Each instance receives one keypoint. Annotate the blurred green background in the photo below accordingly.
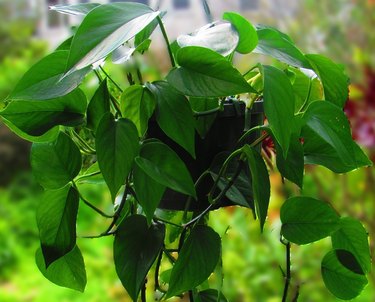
(253, 263)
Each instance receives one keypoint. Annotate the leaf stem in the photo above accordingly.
(83, 143)
(288, 272)
(250, 131)
(78, 178)
(166, 221)
(94, 207)
(109, 77)
(208, 112)
(165, 36)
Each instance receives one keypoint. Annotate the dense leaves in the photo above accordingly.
(56, 218)
(55, 163)
(197, 260)
(305, 219)
(116, 146)
(135, 249)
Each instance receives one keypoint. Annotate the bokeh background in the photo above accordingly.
(340, 29)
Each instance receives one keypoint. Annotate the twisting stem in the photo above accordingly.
(162, 28)
(288, 273)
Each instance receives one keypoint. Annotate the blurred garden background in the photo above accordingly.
(340, 29)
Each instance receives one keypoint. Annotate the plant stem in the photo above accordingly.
(143, 292)
(93, 207)
(207, 11)
(307, 97)
(115, 104)
(250, 131)
(78, 178)
(83, 143)
(98, 75)
(166, 221)
(109, 77)
(288, 273)
(165, 36)
(191, 296)
(208, 112)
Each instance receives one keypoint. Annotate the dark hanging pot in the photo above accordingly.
(229, 125)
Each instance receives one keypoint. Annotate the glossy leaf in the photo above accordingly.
(68, 271)
(278, 102)
(221, 37)
(340, 281)
(291, 167)
(55, 163)
(164, 166)
(116, 147)
(205, 73)
(135, 249)
(137, 105)
(148, 191)
(104, 29)
(56, 218)
(334, 80)
(196, 261)
(98, 106)
(37, 117)
(352, 237)
(278, 45)
(305, 220)
(246, 31)
(174, 115)
(75, 9)
(44, 80)
(260, 183)
(328, 139)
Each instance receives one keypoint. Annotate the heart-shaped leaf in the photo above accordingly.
(205, 73)
(117, 144)
(352, 237)
(37, 117)
(196, 261)
(174, 115)
(220, 36)
(135, 249)
(55, 163)
(137, 105)
(67, 271)
(44, 80)
(246, 31)
(334, 80)
(278, 105)
(305, 219)
(56, 218)
(278, 45)
(328, 140)
(340, 281)
(104, 29)
(260, 182)
(164, 166)
(98, 106)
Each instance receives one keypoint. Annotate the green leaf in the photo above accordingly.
(340, 281)
(145, 33)
(44, 80)
(104, 29)
(164, 166)
(37, 117)
(137, 105)
(174, 115)
(75, 9)
(221, 37)
(353, 237)
(67, 271)
(205, 73)
(196, 261)
(117, 144)
(334, 80)
(248, 35)
(148, 191)
(135, 249)
(260, 182)
(56, 218)
(328, 140)
(305, 220)
(204, 123)
(291, 167)
(55, 163)
(278, 101)
(98, 106)
(211, 295)
(278, 45)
